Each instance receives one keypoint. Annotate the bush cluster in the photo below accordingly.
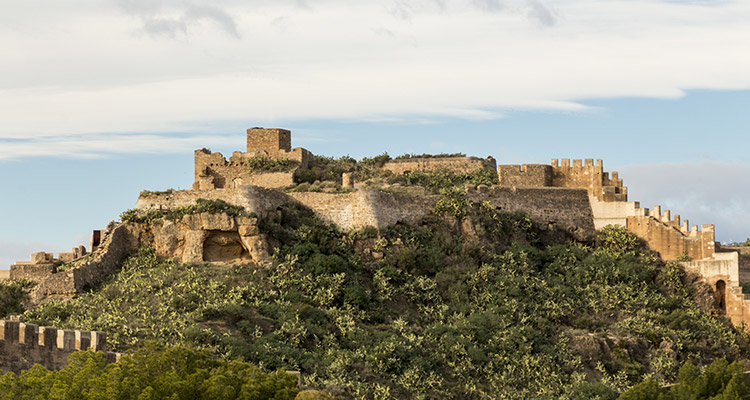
(153, 372)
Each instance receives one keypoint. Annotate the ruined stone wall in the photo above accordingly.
(526, 175)
(214, 171)
(454, 164)
(23, 345)
(116, 243)
(559, 208)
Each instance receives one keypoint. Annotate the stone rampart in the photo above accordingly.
(453, 164)
(560, 208)
(526, 175)
(23, 345)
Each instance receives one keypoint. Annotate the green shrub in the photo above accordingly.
(153, 372)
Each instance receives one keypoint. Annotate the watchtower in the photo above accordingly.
(268, 142)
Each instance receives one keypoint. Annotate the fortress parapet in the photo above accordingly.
(23, 345)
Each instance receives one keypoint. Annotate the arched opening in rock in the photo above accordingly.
(224, 247)
(721, 302)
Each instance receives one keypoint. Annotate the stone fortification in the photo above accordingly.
(558, 208)
(428, 164)
(214, 171)
(23, 345)
(90, 270)
(42, 264)
(584, 174)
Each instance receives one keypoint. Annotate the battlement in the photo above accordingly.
(23, 345)
(671, 236)
(586, 174)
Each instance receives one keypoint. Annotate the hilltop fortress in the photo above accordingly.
(576, 196)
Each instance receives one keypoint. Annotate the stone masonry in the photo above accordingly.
(213, 171)
(23, 345)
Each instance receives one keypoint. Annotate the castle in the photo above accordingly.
(578, 197)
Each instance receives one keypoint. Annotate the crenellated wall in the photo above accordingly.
(454, 164)
(23, 345)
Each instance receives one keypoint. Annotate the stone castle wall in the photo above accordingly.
(454, 164)
(23, 345)
(670, 236)
(561, 208)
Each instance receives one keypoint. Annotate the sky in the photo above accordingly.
(100, 99)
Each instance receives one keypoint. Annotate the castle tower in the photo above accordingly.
(268, 142)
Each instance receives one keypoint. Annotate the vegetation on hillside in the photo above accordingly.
(153, 372)
(504, 309)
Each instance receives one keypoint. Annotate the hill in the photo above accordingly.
(471, 303)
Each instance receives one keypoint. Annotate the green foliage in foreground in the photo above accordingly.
(718, 381)
(504, 313)
(152, 372)
(174, 214)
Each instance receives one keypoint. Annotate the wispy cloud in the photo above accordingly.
(176, 19)
(104, 145)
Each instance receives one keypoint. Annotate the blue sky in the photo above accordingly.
(102, 99)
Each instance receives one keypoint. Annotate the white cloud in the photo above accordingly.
(142, 66)
(705, 192)
(101, 145)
